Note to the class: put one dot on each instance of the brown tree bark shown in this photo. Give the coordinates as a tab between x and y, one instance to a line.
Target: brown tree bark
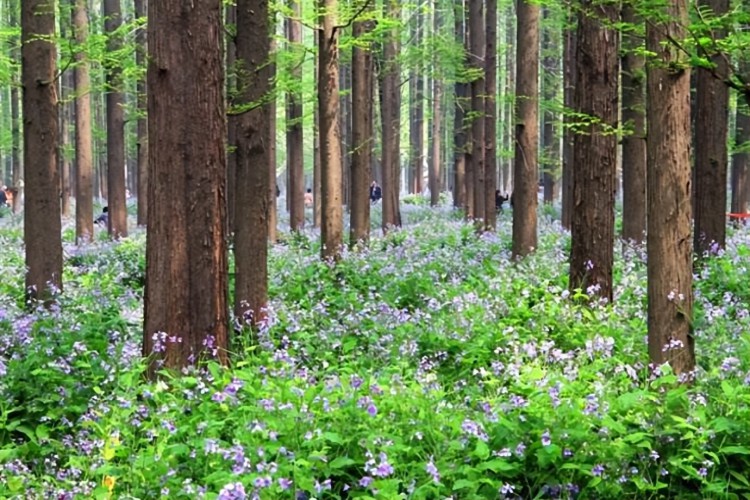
331	161
362	100
141	6
490	114
15	153
253	194
117	223
550	80
186	306
294	137
711	155
42	226
595	151
459	127
317	185
670	270
273	206
477	46
569	85
230	15
390	106
416	111
527	130
63	161
741	158
83	139
634	142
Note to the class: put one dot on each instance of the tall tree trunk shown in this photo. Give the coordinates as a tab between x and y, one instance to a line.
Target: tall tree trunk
595	152
186	301
569	85
416	110
634	141
42	225
230	13
712	113
253	194
294	138
345	125
362	76
459	127
490	120
83	138
273	206
317	177
670	270
509	138
550	80
527	129
741	158
390	106
477	44
141	7
118	212
331	161
15	123
63	161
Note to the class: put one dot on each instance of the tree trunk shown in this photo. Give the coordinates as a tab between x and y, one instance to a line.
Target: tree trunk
141	7
42	226
712	113
569	85
741	158
550	80
230	13
595	152
459	127
634	142
362	100
117	222
390	106
273	206
186	306
345	122
317	185
331	161
15	154
83	138
294	138
527	129
253	194
670	271
63	162
490	120
477	44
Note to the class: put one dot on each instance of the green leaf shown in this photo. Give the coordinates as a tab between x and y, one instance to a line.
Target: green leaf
735	450
341	462
463	484
482	451
496	465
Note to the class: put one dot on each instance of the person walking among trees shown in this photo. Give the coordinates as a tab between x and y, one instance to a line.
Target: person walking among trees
376	193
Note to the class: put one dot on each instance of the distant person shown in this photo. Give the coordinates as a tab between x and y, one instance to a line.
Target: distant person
4	196
499	200
278	191
376	193
308	198
103	218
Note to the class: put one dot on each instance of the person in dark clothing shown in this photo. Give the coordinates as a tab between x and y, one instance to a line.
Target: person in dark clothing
3	197
103	218
376	193
278	191
499	200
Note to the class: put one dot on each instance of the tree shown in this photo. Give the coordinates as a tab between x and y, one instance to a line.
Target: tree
42	224
390	107
83	138
362	107
477	45
437	97
550	82
527	129
741	161
490	113
186	306
595	150
459	127
416	107
670	272
331	162
634	120
711	133
294	138
142	124
118	213
569	85
254	194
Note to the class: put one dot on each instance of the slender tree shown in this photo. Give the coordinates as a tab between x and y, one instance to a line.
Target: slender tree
477	45
527	129
83	138
42	223
569	85
490	113
294	136
141	6
230	13
711	155
362	100
271	141
595	151
118	213
550	82
459	127
186	306
670	270
741	160
634	120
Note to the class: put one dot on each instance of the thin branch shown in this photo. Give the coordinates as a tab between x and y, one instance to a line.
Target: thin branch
354	17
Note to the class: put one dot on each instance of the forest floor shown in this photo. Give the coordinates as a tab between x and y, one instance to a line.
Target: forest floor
427	367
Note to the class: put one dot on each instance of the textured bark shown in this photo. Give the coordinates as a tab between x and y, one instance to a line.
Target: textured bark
42	225
294	137
186	249
317	186
362	77
527	130
118	214
390	107
232	88
477	45
253	194
345	123
83	139
711	155
64	119
141	7
569	85
331	161
416	111
490	114
551	172
459	127
670	271
741	159
510	84
273	208
634	142
15	153
595	152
